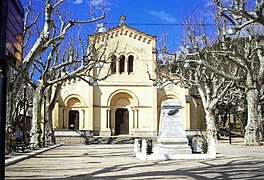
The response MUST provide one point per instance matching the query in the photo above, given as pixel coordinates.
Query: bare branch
(57, 4)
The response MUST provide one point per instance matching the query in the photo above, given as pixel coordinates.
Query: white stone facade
(127, 102)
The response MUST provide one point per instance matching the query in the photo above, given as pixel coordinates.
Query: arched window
(130, 64)
(113, 64)
(122, 64)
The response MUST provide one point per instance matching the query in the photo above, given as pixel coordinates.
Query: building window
(122, 64)
(130, 64)
(113, 64)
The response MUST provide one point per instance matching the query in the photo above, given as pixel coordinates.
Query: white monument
(172, 142)
(172, 138)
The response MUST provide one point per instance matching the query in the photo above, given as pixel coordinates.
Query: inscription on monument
(171, 125)
(172, 137)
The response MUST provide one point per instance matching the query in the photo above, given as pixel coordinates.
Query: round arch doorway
(122, 117)
(121, 121)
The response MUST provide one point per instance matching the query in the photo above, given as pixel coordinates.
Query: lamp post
(24, 115)
(44, 122)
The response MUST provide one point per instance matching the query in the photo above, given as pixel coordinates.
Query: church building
(127, 102)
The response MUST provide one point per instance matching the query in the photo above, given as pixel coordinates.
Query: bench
(47, 143)
(19, 146)
(22, 146)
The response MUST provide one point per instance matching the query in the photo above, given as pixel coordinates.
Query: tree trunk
(35, 132)
(209, 119)
(210, 122)
(49, 132)
(9, 123)
(12, 116)
(52, 98)
(261, 120)
(210, 131)
(253, 124)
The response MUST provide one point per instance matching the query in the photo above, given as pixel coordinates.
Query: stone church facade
(127, 102)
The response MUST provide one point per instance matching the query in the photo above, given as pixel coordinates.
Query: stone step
(111, 140)
(80, 137)
(116, 139)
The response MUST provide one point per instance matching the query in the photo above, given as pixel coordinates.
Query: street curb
(16, 159)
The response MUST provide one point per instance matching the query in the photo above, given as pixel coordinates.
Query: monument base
(167, 152)
(166, 149)
(174, 141)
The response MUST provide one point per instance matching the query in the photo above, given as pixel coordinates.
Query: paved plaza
(234, 161)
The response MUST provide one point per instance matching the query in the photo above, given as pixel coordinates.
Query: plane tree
(44, 32)
(234, 54)
(244, 40)
(186, 68)
(59, 66)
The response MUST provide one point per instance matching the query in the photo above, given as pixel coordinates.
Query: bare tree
(58, 67)
(235, 54)
(20, 104)
(185, 68)
(51, 98)
(232, 103)
(43, 34)
(243, 54)
(240, 14)
(245, 49)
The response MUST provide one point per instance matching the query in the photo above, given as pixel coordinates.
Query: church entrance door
(74, 119)
(121, 121)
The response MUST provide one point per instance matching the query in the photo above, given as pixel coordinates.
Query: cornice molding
(123, 31)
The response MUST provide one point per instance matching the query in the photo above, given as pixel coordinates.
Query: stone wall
(99, 140)
(70, 139)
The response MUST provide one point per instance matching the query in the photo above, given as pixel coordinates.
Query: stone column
(136, 118)
(105, 131)
(83, 119)
(117, 65)
(108, 118)
(64, 119)
(133, 115)
(126, 65)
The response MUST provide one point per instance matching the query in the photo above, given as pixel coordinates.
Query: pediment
(124, 30)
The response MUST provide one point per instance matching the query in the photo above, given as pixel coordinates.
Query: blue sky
(150, 16)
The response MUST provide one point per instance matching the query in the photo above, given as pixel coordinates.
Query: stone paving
(234, 161)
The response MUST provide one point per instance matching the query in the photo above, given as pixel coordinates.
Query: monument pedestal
(172, 146)
(161, 149)
(172, 138)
